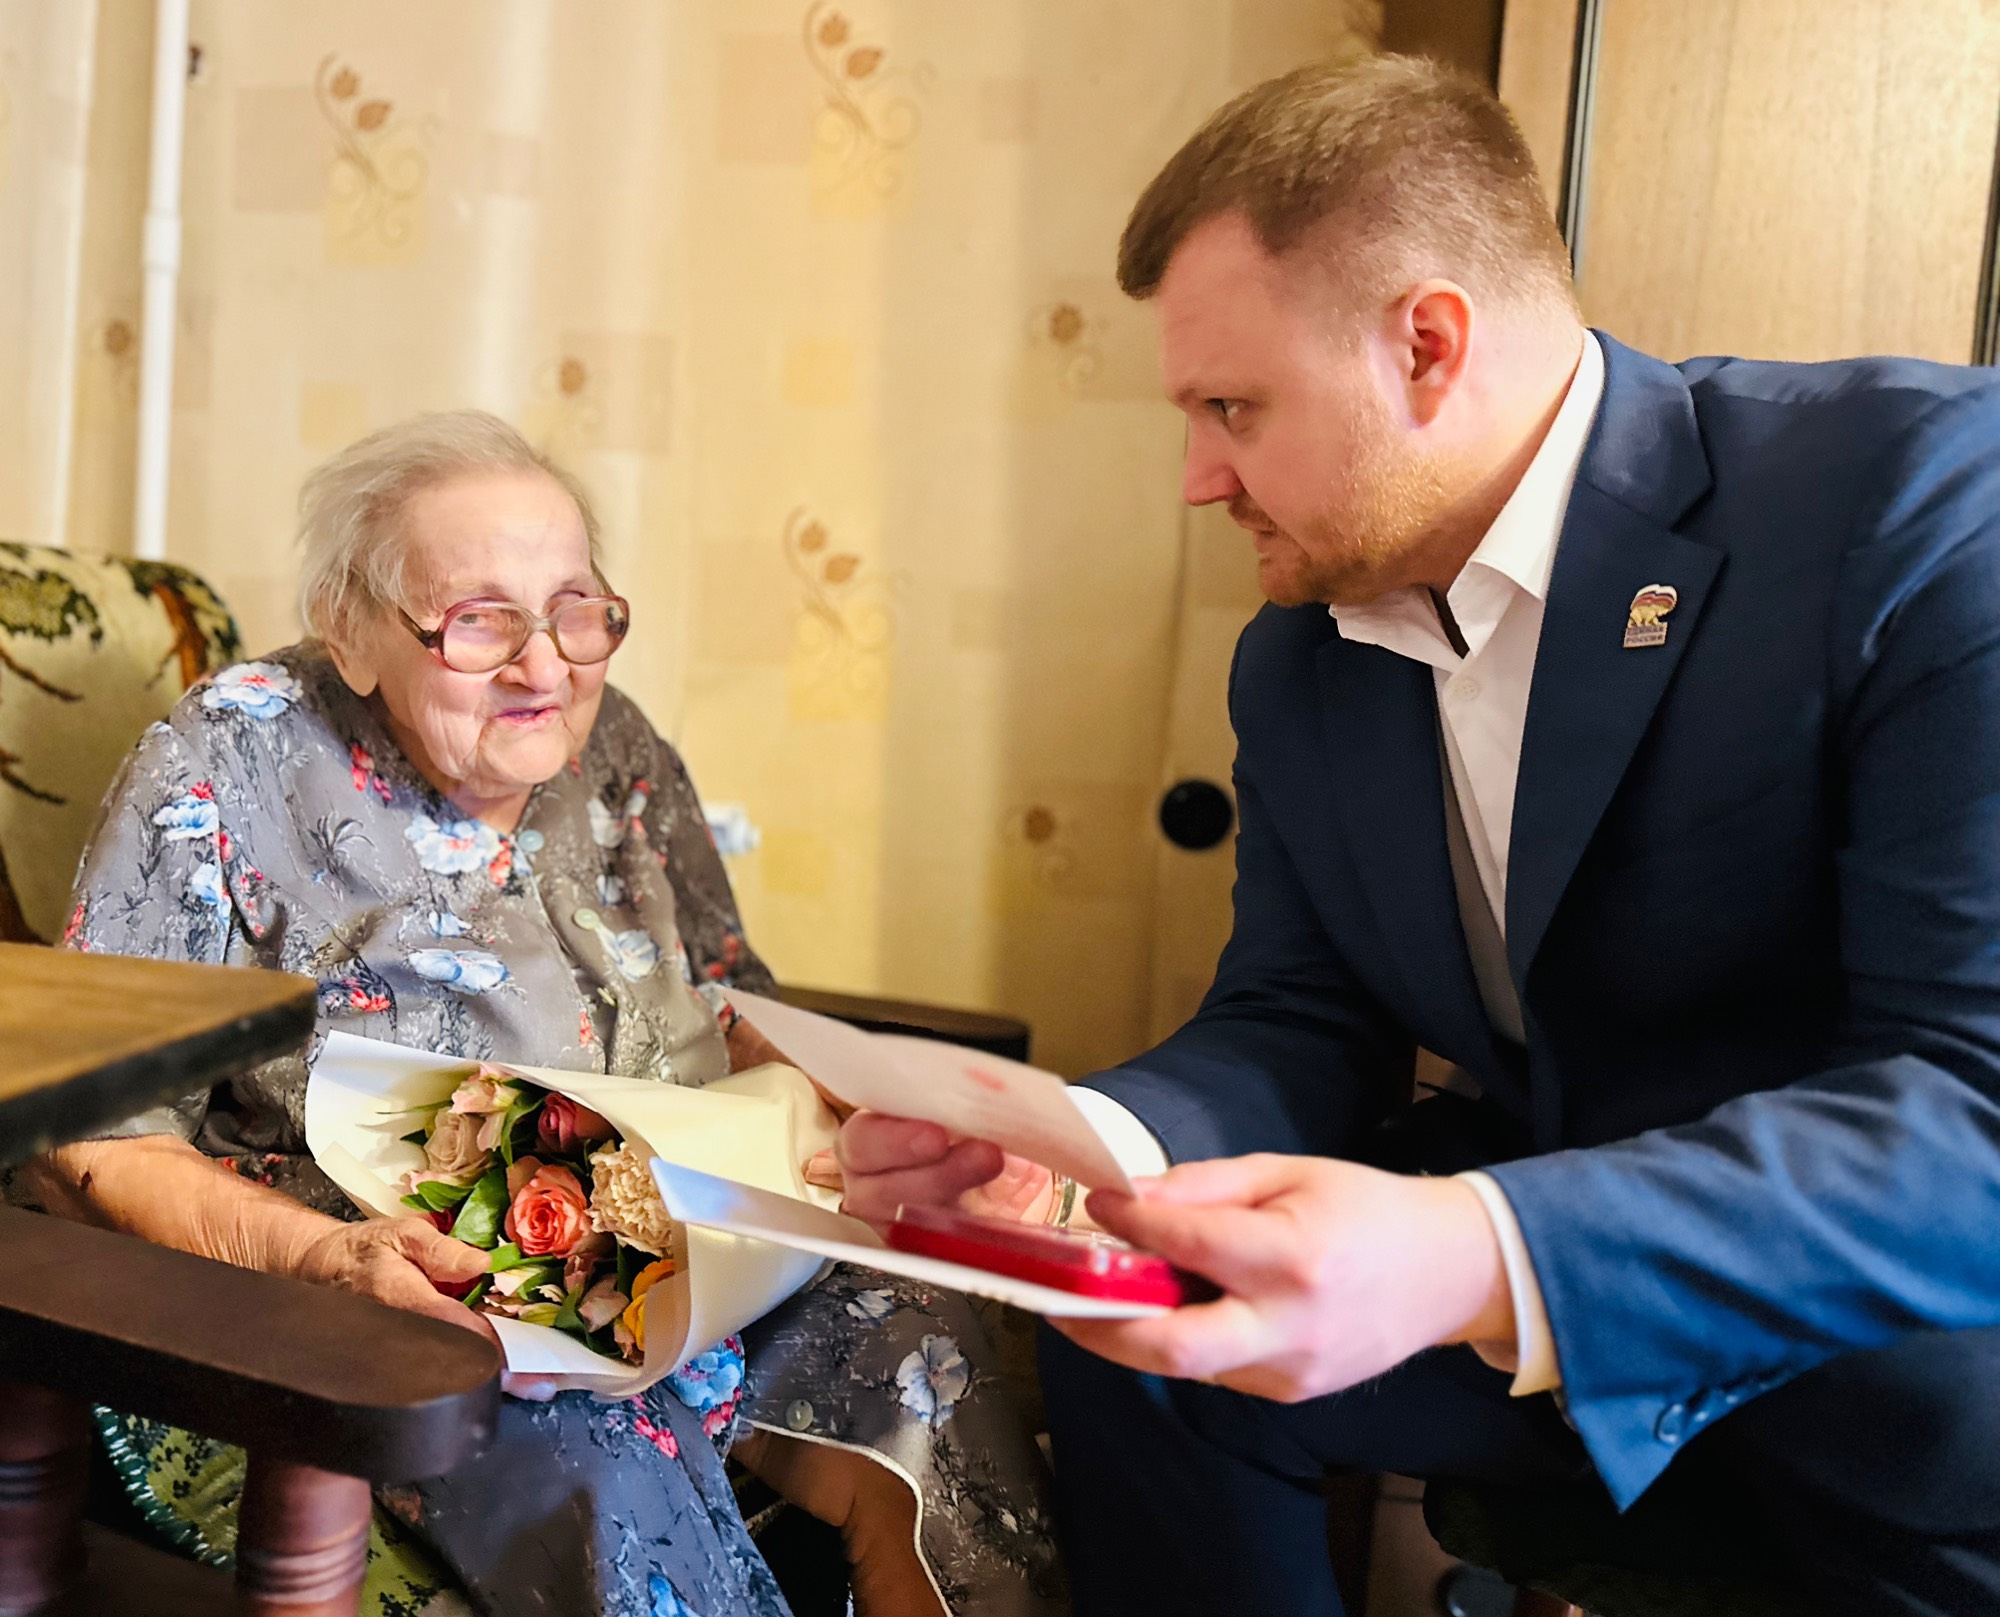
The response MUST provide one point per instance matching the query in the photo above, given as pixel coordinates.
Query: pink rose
(563, 1126)
(486, 1089)
(486, 1095)
(458, 1151)
(603, 1303)
(549, 1213)
(584, 1260)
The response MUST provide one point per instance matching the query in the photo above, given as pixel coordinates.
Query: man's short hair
(1394, 168)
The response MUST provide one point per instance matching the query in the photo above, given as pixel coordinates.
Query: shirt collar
(1517, 553)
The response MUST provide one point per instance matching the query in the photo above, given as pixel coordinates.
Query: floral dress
(272, 821)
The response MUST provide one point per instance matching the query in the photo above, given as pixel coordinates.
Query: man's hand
(1333, 1273)
(889, 1161)
(398, 1261)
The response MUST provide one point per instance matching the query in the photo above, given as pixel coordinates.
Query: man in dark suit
(1628, 735)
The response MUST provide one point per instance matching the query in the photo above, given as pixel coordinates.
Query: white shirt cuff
(1132, 1145)
(1534, 1359)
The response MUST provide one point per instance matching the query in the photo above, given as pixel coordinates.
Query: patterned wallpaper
(816, 295)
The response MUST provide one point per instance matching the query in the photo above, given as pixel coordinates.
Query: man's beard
(1358, 545)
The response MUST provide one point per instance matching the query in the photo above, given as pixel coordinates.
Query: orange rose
(549, 1214)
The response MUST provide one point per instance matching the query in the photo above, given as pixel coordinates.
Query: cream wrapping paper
(757, 1127)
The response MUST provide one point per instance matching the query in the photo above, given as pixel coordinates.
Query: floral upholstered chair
(92, 650)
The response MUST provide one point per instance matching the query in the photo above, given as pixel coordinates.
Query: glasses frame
(432, 640)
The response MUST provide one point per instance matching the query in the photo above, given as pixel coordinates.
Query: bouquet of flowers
(551, 1171)
(569, 1211)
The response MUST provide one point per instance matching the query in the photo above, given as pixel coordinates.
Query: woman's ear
(353, 658)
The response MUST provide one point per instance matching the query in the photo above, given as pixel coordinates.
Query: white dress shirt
(1482, 699)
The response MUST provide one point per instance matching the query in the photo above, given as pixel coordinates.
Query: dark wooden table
(328, 1390)
(87, 1040)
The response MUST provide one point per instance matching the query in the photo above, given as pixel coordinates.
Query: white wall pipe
(163, 268)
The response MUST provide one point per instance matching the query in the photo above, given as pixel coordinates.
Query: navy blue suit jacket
(1753, 910)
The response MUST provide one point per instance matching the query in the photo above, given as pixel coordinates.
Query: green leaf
(479, 1219)
(630, 1261)
(567, 1318)
(505, 1256)
(535, 1272)
(479, 1289)
(438, 1196)
(417, 1137)
(539, 1275)
(538, 1314)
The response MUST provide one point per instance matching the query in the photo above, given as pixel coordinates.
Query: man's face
(1294, 419)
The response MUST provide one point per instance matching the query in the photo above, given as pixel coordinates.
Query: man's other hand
(1332, 1273)
(890, 1161)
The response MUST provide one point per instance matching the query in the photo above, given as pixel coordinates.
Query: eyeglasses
(477, 637)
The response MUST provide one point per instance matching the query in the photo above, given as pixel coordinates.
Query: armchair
(92, 650)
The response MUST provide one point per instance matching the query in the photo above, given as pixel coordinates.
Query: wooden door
(1785, 179)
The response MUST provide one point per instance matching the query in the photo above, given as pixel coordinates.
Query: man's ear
(353, 656)
(1433, 331)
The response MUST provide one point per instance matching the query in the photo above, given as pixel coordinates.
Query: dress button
(1671, 1427)
(798, 1415)
(1463, 689)
(529, 842)
(588, 919)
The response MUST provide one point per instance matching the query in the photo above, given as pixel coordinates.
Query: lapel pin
(1645, 624)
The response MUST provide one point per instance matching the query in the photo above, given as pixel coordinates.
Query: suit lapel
(1380, 715)
(1593, 696)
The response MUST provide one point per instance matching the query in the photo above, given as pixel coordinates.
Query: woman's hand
(822, 1168)
(161, 1189)
(887, 1162)
(402, 1262)
(398, 1261)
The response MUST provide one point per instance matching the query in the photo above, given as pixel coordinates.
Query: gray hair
(357, 563)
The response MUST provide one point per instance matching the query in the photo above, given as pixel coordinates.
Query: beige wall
(818, 300)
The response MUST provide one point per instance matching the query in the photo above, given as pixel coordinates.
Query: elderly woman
(439, 809)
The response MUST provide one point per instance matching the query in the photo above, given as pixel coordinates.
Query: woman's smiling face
(485, 740)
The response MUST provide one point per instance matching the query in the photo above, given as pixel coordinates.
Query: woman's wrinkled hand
(399, 1261)
(404, 1262)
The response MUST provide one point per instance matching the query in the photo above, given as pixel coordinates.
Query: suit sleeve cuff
(1533, 1360)
(1135, 1147)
